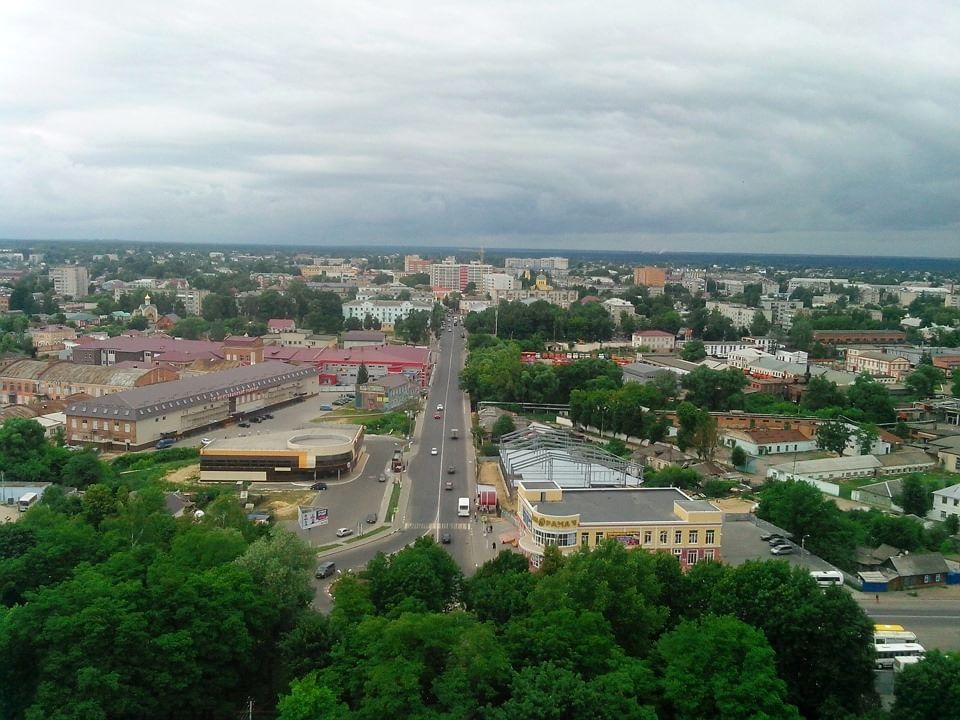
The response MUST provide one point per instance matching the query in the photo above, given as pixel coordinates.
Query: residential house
(759, 442)
(946, 502)
(654, 340)
(917, 570)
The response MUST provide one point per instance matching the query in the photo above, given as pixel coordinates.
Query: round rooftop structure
(321, 439)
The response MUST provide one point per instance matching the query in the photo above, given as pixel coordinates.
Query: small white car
(206, 441)
(433, 451)
(344, 532)
(440, 407)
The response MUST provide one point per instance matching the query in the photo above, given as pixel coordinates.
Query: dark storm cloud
(729, 126)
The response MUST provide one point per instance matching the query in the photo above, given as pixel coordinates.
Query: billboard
(308, 517)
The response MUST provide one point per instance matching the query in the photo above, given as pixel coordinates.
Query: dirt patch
(734, 505)
(283, 506)
(185, 475)
(490, 475)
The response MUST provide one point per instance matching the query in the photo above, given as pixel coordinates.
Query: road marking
(437, 526)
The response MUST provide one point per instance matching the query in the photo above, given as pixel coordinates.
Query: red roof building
(279, 325)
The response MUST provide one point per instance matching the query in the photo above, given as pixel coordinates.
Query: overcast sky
(725, 126)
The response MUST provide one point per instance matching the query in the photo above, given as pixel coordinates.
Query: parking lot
(741, 542)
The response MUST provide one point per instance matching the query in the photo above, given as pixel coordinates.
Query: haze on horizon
(736, 127)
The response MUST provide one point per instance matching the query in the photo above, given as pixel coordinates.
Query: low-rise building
(560, 298)
(329, 450)
(275, 326)
(138, 418)
(654, 340)
(388, 393)
(877, 364)
(946, 502)
(653, 519)
(618, 307)
(859, 337)
(758, 443)
(363, 338)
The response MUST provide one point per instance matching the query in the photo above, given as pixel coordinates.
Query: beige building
(137, 419)
(650, 276)
(70, 280)
(877, 364)
(560, 298)
(654, 340)
(652, 519)
(27, 381)
(51, 337)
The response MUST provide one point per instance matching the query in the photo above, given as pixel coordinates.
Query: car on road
(344, 532)
(440, 407)
(382, 478)
(445, 538)
(433, 451)
(448, 486)
(451, 470)
(206, 441)
(437, 416)
(243, 424)
(371, 518)
(326, 406)
(164, 443)
(781, 550)
(319, 486)
(325, 569)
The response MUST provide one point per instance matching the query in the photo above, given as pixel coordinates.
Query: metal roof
(161, 398)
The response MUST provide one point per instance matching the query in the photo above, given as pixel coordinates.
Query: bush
(718, 488)
(489, 450)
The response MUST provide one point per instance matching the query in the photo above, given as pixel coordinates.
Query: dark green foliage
(929, 689)
(738, 456)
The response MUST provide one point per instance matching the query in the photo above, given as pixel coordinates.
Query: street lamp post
(803, 545)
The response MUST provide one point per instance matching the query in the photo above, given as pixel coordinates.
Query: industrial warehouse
(137, 419)
(282, 456)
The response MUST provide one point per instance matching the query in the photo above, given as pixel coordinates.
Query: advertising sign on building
(310, 516)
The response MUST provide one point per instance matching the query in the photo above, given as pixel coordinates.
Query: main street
(431, 509)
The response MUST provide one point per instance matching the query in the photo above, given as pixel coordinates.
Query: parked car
(767, 537)
(206, 441)
(268, 416)
(326, 406)
(445, 538)
(325, 569)
(243, 424)
(433, 451)
(164, 443)
(779, 542)
(781, 550)
(371, 518)
(344, 532)
(319, 486)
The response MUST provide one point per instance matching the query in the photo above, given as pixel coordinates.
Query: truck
(454, 433)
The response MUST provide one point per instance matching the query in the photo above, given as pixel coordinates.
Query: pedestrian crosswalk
(440, 526)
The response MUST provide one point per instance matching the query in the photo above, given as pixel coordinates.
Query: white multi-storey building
(192, 299)
(386, 311)
(456, 276)
(70, 280)
(782, 312)
(544, 264)
(493, 282)
(817, 284)
(740, 315)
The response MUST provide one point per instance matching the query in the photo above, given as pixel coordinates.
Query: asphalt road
(432, 509)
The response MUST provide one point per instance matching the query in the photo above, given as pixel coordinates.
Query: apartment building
(650, 276)
(70, 280)
(415, 264)
(878, 364)
(386, 311)
(456, 276)
(740, 315)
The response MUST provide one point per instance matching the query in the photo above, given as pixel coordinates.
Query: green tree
(363, 375)
(743, 679)
(833, 435)
(138, 323)
(279, 563)
(872, 398)
(821, 393)
(715, 390)
(190, 328)
(503, 425)
(98, 502)
(738, 456)
(955, 382)
(915, 497)
(924, 381)
(760, 325)
(693, 351)
(82, 469)
(309, 700)
(420, 577)
(926, 689)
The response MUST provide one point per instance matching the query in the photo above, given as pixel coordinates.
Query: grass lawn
(848, 486)
(355, 538)
(324, 548)
(394, 500)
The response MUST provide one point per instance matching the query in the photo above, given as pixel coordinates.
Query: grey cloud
(692, 125)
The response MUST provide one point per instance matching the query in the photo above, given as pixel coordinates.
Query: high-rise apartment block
(456, 276)
(649, 276)
(70, 280)
(416, 264)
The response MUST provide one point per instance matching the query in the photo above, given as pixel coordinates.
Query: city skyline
(746, 128)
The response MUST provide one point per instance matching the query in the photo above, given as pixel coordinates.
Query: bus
(888, 628)
(826, 578)
(27, 501)
(463, 507)
(887, 654)
(892, 637)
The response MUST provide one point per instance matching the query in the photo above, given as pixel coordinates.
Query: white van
(826, 578)
(463, 507)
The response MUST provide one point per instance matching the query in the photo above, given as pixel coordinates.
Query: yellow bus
(888, 628)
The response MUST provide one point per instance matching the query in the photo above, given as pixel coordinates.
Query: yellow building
(653, 519)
